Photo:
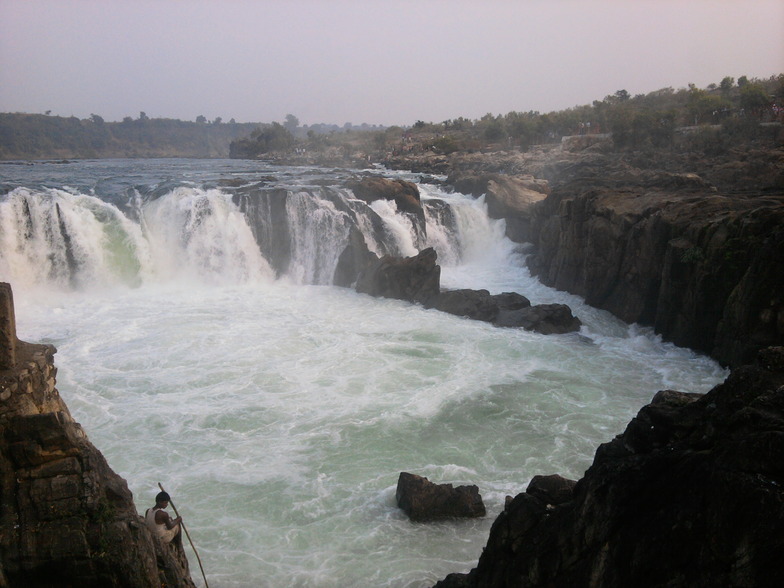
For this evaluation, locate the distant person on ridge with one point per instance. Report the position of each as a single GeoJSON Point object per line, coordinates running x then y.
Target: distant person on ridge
{"type": "Point", "coordinates": [159, 521]}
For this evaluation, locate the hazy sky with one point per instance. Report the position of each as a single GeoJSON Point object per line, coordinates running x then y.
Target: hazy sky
{"type": "Point", "coordinates": [374, 61]}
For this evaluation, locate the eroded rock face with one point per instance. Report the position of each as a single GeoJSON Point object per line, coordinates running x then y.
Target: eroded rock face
{"type": "Point", "coordinates": [706, 270]}
{"type": "Point", "coordinates": [422, 500]}
{"type": "Point", "coordinates": [67, 519]}
{"type": "Point", "coordinates": [691, 494]}
{"type": "Point", "coordinates": [354, 260]}
{"type": "Point", "coordinates": [689, 244]}
{"type": "Point", "coordinates": [372, 188]}
{"type": "Point", "coordinates": [416, 279]}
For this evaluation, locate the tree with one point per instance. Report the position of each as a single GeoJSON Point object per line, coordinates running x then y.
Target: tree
{"type": "Point", "coordinates": [291, 123]}
{"type": "Point", "coordinates": [217, 120]}
{"type": "Point", "coordinates": [143, 116]}
{"type": "Point", "coordinates": [96, 119]}
{"type": "Point", "coordinates": [754, 98]}
{"type": "Point", "coordinates": [622, 95]}
{"type": "Point", "coordinates": [726, 85]}
{"type": "Point", "coordinates": [201, 119]}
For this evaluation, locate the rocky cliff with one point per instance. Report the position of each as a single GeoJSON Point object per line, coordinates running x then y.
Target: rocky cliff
{"type": "Point", "coordinates": [66, 519]}
{"type": "Point", "coordinates": [689, 244]}
{"type": "Point", "coordinates": [704, 267]}
{"type": "Point", "coordinates": [691, 494]}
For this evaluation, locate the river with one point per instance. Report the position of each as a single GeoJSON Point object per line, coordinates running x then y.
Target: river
{"type": "Point", "coordinates": [277, 409]}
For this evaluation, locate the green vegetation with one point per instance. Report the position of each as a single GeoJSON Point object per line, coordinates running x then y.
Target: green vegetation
{"type": "Point", "coordinates": [39, 136]}
{"type": "Point", "coordinates": [645, 120]}
{"type": "Point", "coordinates": [709, 120]}
{"type": "Point", "coordinates": [274, 137]}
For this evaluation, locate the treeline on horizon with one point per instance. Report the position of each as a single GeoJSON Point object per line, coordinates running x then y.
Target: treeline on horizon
{"type": "Point", "coordinates": [715, 117]}
{"type": "Point", "coordinates": [728, 110]}
{"type": "Point", "coordinates": [43, 136]}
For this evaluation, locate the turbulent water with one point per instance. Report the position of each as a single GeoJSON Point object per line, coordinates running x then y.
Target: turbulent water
{"type": "Point", "coordinates": [202, 345]}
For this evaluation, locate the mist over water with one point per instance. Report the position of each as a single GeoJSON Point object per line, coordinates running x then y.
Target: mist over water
{"type": "Point", "coordinates": [278, 412]}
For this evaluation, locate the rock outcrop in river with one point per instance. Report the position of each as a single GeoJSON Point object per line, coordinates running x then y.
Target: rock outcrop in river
{"type": "Point", "coordinates": [691, 494]}
{"type": "Point", "coordinates": [66, 519]}
{"type": "Point", "coordinates": [417, 279]}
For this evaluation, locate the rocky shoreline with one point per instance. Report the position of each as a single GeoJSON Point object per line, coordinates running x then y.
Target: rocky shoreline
{"type": "Point", "coordinates": [692, 246]}
{"type": "Point", "coordinates": [691, 494]}
{"type": "Point", "coordinates": [67, 519]}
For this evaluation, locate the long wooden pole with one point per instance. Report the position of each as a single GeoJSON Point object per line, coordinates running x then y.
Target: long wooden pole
{"type": "Point", "coordinates": [203, 575]}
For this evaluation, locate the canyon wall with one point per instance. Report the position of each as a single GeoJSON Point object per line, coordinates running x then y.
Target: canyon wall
{"type": "Point", "coordinates": [690, 245]}
{"type": "Point", "coordinates": [704, 268]}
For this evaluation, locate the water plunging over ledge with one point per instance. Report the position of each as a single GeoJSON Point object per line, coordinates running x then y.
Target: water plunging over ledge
{"type": "Point", "coordinates": [202, 345]}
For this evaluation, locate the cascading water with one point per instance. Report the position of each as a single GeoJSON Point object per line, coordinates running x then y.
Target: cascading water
{"type": "Point", "coordinates": [279, 412]}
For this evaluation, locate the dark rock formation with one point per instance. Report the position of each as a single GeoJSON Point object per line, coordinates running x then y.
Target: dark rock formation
{"type": "Point", "coordinates": [372, 188]}
{"type": "Point", "coordinates": [509, 309]}
{"type": "Point", "coordinates": [547, 319]}
{"type": "Point", "coordinates": [422, 500]}
{"type": "Point", "coordinates": [691, 494]}
{"type": "Point", "coordinates": [404, 194]}
{"type": "Point", "coordinates": [475, 304]}
{"type": "Point", "coordinates": [689, 244]}
{"type": "Point", "coordinates": [415, 279]}
{"type": "Point", "coordinates": [66, 519]}
{"type": "Point", "coordinates": [354, 259]}
{"type": "Point", "coordinates": [268, 219]}
{"type": "Point", "coordinates": [706, 270]}
{"type": "Point", "coordinates": [552, 489]}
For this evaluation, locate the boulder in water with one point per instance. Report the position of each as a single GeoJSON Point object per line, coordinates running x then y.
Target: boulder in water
{"type": "Point", "coordinates": [422, 500]}
{"type": "Point", "coordinates": [547, 319]}
{"type": "Point", "coordinates": [478, 304]}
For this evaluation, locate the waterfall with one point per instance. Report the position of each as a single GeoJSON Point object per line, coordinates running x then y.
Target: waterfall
{"type": "Point", "coordinates": [56, 238]}
{"type": "Point", "coordinates": [68, 240]}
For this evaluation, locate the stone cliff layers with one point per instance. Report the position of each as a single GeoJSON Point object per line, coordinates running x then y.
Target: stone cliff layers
{"type": "Point", "coordinates": [692, 246]}
{"type": "Point", "coordinates": [705, 269]}
{"type": "Point", "coordinates": [66, 519]}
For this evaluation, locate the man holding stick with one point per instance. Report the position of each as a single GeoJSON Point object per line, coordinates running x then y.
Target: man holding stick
{"type": "Point", "coordinates": [159, 521]}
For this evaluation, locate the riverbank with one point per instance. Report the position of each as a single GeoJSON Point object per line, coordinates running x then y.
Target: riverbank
{"type": "Point", "coordinates": [688, 243]}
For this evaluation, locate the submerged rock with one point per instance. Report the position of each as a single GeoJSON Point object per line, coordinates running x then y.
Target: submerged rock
{"type": "Point", "coordinates": [474, 304]}
{"type": "Point", "coordinates": [691, 494]}
{"type": "Point", "coordinates": [547, 319]}
{"type": "Point", "coordinates": [422, 500]}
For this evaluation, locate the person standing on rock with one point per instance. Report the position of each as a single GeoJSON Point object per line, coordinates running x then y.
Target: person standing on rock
{"type": "Point", "coordinates": [159, 521]}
